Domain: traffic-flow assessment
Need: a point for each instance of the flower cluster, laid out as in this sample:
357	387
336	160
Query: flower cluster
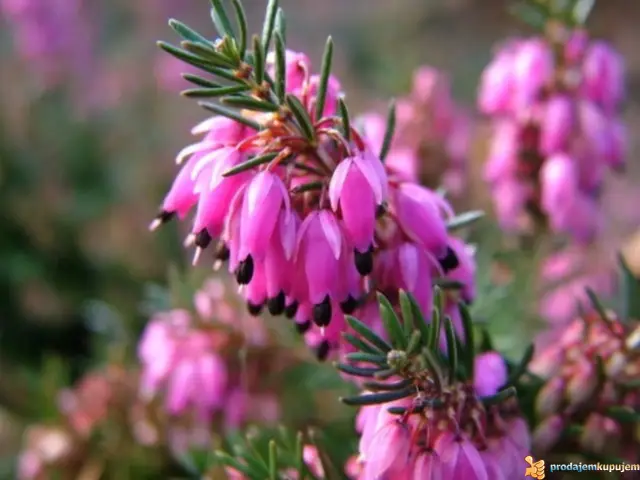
427	416
554	101
192	363
432	134
298	203
86	410
46	34
590	399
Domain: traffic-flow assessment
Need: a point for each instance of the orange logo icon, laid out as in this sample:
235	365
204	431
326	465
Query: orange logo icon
535	469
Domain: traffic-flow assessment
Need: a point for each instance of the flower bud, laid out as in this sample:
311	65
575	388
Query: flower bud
582	385
551	397
547	434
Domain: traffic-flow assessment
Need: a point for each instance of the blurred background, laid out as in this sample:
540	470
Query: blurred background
91	120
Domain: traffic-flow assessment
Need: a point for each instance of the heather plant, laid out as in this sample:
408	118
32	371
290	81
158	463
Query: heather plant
554	100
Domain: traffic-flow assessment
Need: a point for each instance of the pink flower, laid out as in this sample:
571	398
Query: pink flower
297	69
504	151
490	373
460	458
557	124
183	363
420	214
557	131
603	71
308	230
510	199
357	189
264	198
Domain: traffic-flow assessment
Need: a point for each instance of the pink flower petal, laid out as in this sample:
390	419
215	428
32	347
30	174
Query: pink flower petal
331	232
337	181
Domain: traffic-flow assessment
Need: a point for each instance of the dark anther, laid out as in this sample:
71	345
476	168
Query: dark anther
449	261
303	327
254	309
222	252
165	216
349	305
276	304
381	210
291	309
203	239
162	218
322	351
244	273
322	312
364	262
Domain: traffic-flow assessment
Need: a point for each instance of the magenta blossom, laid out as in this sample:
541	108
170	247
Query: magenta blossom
429	125
309	230
556	130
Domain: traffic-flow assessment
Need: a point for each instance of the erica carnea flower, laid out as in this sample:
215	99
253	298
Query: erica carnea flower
555	104
429	415
589	402
86	412
191	362
432	134
295	200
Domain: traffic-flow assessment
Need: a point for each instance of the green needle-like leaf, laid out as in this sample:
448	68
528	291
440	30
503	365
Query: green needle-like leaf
231	114
357	371
452	348
308	187
414	342
469	339
228	460
521	368
325	72
407	312
301	116
374	386
360	344
346	123
500	397
464	220
214	92
269	24
181	54
391	322
250	103
629	291
281	25
531	13
380	360
281	73
273	460
208	55
220	19
623	414
389	132
258	60
368	334
202	82
188	33
434	330
249	164
299	455
241	19
378	398
581	11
